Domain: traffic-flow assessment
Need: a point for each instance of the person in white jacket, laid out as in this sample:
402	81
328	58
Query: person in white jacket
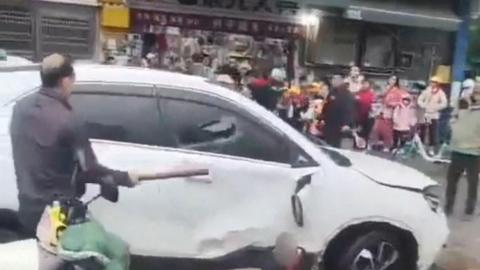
432	100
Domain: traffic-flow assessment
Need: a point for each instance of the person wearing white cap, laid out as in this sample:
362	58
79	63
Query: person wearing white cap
433	99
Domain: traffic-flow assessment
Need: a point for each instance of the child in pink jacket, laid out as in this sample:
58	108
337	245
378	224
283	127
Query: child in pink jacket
404	119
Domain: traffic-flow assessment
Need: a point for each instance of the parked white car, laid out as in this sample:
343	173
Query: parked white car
349	209
12	60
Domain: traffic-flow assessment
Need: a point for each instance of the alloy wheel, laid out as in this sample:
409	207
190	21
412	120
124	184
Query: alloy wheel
379	257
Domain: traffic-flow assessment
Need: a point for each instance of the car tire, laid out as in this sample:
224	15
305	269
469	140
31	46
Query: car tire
375	250
7	236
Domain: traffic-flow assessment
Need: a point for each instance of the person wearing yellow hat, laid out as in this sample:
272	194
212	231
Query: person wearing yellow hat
432	100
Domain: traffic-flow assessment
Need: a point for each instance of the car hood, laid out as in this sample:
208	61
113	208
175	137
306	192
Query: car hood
388	173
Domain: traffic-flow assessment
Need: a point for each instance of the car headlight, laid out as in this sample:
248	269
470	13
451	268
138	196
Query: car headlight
433	195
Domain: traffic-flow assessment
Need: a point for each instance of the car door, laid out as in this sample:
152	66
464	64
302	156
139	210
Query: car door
123	124
244	201
247	201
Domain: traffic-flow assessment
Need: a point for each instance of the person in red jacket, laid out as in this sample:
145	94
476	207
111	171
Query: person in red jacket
383	127
365	98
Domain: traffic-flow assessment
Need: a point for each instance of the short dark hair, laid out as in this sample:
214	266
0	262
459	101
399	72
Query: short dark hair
397	80
54	68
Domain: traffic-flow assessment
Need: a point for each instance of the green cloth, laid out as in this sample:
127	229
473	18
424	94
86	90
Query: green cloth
91	240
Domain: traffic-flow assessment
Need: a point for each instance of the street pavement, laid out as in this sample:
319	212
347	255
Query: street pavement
463	248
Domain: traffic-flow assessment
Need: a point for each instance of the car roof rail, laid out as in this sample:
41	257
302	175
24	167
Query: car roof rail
29	67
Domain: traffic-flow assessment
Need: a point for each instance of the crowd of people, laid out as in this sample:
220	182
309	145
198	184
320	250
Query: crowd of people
349	107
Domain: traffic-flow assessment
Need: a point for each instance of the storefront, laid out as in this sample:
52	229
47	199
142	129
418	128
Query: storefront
203	37
411	38
37	28
117	46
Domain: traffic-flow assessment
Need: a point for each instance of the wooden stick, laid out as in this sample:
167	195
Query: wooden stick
174	174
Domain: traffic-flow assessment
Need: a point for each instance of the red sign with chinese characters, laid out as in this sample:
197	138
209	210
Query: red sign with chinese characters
143	20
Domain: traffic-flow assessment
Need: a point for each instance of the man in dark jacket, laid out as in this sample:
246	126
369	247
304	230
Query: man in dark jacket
48	143
338	112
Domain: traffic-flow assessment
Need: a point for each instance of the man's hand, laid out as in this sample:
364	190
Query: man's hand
134	178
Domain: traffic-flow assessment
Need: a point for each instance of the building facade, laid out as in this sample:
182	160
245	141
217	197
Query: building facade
252	32
37	28
411	38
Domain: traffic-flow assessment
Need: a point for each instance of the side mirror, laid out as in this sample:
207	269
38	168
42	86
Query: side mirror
109	192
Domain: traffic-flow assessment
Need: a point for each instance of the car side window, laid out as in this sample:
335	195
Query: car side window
123	118
207	127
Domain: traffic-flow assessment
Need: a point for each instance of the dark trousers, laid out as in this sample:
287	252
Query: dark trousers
333	137
29	214
283	114
366	127
459	164
296	124
400	137
432	130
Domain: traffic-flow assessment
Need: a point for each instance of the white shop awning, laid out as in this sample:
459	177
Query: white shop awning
75	2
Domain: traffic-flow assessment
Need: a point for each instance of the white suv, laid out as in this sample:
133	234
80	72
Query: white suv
350	210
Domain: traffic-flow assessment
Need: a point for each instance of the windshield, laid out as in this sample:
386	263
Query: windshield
334	155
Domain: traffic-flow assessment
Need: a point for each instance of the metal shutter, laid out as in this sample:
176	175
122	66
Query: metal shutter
16	31
65	35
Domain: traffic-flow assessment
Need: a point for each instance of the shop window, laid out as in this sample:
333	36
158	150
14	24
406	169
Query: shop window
379	49
420	51
209	128
336	43
105	117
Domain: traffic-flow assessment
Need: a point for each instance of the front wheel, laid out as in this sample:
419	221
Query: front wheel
373	251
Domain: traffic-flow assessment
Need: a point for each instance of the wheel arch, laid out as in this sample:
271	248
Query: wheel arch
350	232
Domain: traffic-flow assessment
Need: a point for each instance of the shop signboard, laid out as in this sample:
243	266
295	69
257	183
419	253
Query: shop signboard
76	2
270	6
283	7
144	20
